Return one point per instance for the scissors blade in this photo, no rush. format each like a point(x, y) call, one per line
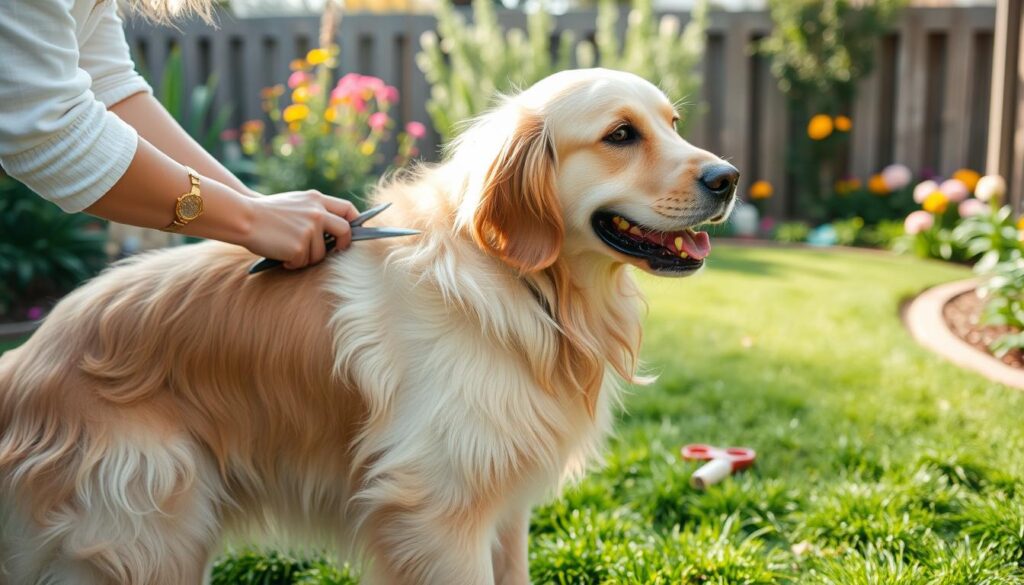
point(360, 233)
point(369, 214)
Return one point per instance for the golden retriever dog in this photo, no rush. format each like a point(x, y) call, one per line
point(406, 401)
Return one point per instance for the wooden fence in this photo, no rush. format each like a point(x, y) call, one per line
point(926, 104)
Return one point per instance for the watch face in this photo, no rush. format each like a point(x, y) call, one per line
point(190, 206)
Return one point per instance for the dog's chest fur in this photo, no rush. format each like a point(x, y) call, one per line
point(447, 380)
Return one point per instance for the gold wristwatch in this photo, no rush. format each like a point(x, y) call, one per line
point(189, 206)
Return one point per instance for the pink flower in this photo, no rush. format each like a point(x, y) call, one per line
point(350, 80)
point(969, 207)
point(923, 190)
point(378, 120)
point(358, 103)
point(416, 130)
point(918, 221)
point(896, 176)
point(954, 189)
point(387, 94)
point(299, 78)
point(374, 83)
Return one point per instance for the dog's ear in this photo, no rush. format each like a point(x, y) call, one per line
point(518, 218)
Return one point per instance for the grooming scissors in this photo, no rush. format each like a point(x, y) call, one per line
point(359, 232)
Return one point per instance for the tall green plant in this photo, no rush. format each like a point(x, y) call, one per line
point(470, 64)
point(819, 51)
point(196, 112)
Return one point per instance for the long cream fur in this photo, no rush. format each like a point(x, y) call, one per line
point(407, 401)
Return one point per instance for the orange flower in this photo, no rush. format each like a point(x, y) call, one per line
point(968, 177)
point(252, 127)
point(268, 93)
point(295, 113)
point(299, 65)
point(877, 185)
point(761, 190)
point(843, 123)
point(937, 202)
point(820, 127)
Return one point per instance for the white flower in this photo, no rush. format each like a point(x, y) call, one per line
point(990, 188)
point(923, 190)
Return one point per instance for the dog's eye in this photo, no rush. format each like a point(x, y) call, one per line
point(624, 134)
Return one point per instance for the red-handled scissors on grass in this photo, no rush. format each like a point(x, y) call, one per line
point(740, 457)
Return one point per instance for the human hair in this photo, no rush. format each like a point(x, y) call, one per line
point(166, 11)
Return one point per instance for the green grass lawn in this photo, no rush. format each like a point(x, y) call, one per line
point(878, 462)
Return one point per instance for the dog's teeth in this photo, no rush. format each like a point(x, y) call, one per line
point(679, 243)
point(683, 254)
point(622, 224)
point(635, 231)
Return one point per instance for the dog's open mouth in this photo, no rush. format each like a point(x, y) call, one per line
point(677, 251)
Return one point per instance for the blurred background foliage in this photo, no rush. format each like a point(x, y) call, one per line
point(469, 64)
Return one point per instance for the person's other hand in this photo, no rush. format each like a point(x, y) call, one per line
point(290, 226)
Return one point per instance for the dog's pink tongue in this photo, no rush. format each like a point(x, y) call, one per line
point(696, 244)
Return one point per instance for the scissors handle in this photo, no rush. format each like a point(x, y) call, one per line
point(358, 233)
point(741, 457)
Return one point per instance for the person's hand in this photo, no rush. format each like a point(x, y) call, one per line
point(290, 226)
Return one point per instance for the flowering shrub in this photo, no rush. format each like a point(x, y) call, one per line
point(330, 138)
point(952, 225)
point(819, 50)
point(883, 196)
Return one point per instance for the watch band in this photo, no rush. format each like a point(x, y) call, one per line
point(195, 200)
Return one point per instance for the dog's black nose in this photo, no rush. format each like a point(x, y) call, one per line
point(719, 179)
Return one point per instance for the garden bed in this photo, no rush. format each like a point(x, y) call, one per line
point(962, 315)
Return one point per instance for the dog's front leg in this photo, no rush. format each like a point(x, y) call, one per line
point(419, 546)
point(511, 563)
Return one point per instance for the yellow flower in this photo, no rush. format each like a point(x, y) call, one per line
point(937, 202)
point(761, 190)
point(843, 123)
point(331, 114)
point(366, 148)
point(877, 185)
point(300, 95)
point(820, 127)
point(295, 113)
point(318, 56)
point(968, 177)
point(1020, 223)
point(299, 65)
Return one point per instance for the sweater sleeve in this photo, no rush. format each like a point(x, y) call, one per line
point(107, 60)
point(55, 136)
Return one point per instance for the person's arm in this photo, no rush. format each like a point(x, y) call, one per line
point(117, 85)
point(287, 226)
point(57, 137)
point(152, 121)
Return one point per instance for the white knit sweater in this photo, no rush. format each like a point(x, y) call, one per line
point(62, 62)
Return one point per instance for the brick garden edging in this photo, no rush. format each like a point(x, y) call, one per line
point(923, 318)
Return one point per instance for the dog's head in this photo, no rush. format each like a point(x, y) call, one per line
point(589, 161)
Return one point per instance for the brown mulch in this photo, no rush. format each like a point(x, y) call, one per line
point(962, 314)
